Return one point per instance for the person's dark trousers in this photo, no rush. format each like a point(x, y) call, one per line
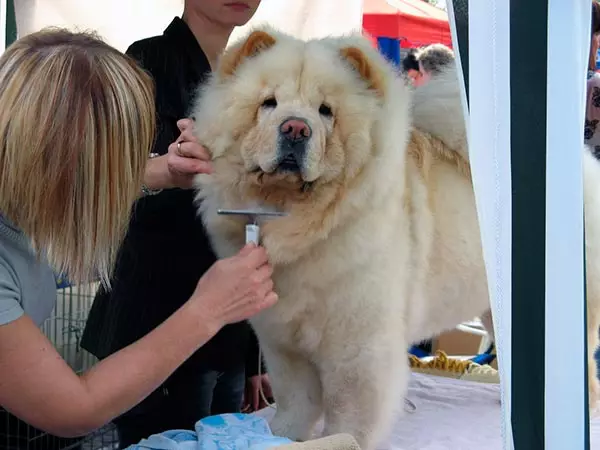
point(180, 403)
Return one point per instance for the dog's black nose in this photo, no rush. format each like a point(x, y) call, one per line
point(295, 130)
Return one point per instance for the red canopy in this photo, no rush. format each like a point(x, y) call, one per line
point(412, 22)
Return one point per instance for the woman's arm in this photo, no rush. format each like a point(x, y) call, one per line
point(39, 387)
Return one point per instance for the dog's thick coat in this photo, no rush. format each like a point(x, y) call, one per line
point(381, 246)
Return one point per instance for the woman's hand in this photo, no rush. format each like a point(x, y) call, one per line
point(232, 290)
point(236, 288)
point(185, 159)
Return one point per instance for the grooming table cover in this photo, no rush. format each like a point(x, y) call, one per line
point(448, 414)
point(452, 414)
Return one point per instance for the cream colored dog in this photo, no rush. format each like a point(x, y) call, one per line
point(381, 246)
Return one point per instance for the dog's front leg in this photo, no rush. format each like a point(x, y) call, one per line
point(297, 391)
point(362, 395)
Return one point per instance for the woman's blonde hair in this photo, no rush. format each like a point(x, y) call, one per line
point(77, 121)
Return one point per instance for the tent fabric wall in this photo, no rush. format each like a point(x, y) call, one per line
point(528, 152)
point(525, 150)
point(412, 22)
point(566, 411)
point(3, 5)
point(458, 11)
point(390, 48)
point(482, 24)
point(11, 23)
point(307, 19)
point(118, 22)
point(121, 23)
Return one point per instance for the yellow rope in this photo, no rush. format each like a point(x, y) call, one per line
point(441, 362)
point(442, 365)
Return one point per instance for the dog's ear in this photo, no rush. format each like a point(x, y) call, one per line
point(364, 67)
point(257, 42)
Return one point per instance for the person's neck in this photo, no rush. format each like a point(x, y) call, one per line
point(211, 36)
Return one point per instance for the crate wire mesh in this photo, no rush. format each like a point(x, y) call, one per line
point(64, 329)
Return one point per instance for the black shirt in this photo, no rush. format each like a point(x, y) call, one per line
point(166, 250)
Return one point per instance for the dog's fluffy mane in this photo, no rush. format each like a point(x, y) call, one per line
point(431, 139)
point(387, 161)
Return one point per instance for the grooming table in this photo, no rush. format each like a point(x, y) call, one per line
point(451, 414)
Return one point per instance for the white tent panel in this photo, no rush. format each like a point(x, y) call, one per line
point(565, 402)
point(489, 153)
point(308, 18)
point(119, 22)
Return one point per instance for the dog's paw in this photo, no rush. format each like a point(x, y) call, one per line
point(281, 426)
point(284, 425)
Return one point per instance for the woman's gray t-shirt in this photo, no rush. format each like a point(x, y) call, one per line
point(27, 285)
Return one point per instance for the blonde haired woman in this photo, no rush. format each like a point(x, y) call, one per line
point(76, 126)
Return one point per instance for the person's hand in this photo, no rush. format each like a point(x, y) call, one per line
point(236, 288)
point(185, 159)
point(253, 400)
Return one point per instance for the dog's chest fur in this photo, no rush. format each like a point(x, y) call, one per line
point(344, 285)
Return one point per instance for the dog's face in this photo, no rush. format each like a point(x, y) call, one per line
point(288, 118)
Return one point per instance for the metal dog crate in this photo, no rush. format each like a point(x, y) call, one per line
point(64, 329)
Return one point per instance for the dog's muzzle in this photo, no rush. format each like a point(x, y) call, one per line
point(294, 135)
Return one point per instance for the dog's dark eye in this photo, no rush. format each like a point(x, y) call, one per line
point(270, 102)
point(325, 110)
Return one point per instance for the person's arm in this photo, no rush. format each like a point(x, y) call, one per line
point(37, 386)
point(156, 173)
point(40, 388)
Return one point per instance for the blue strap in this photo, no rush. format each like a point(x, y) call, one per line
point(418, 352)
point(62, 282)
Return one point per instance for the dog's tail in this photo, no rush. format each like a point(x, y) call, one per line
point(437, 110)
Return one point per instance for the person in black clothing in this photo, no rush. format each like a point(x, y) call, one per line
point(166, 249)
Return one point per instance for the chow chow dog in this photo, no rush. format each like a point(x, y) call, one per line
point(380, 247)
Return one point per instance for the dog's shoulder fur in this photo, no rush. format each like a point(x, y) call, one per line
point(426, 149)
point(437, 109)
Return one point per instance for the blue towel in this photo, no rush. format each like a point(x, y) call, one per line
point(169, 440)
point(223, 432)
